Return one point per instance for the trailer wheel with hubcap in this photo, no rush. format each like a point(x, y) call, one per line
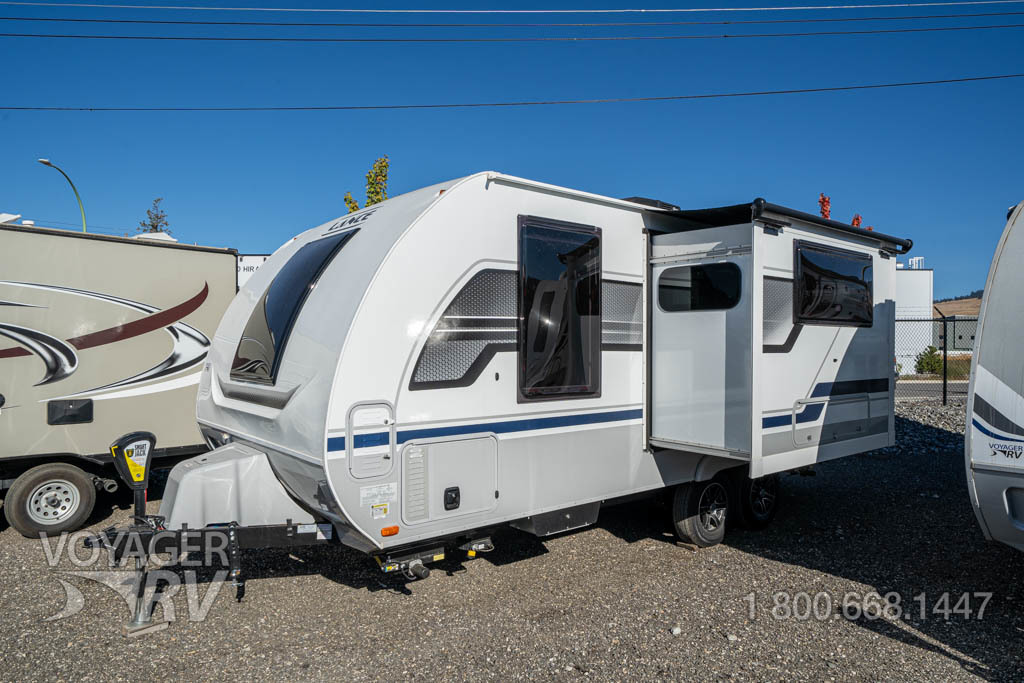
point(758, 500)
point(699, 512)
point(50, 498)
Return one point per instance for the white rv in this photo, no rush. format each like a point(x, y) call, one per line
point(995, 401)
point(493, 350)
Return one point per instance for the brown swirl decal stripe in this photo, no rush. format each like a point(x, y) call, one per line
point(135, 328)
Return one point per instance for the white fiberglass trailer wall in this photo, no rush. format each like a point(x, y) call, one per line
point(995, 403)
point(475, 353)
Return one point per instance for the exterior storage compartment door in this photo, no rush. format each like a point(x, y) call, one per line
point(701, 353)
point(449, 478)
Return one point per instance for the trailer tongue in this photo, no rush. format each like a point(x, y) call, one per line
point(150, 535)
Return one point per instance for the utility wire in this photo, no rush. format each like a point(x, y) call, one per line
point(532, 39)
point(535, 103)
point(961, 3)
point(597, 24)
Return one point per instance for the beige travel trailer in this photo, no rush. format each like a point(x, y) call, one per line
point(98, 335)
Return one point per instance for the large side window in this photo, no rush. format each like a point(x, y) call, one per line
point(832, 287)
point(261, 347)
point(706, 287)
point(559, 309)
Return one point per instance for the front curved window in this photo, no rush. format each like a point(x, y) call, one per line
point(259, 352)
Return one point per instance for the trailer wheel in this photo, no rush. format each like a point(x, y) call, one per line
point(699, 512)
point(50, 498)
point(759, 501)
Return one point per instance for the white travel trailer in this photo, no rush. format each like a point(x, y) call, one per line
point(995, 401)
point(493, 350)
point(98, 335)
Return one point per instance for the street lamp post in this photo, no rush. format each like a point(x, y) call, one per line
point(46, 162)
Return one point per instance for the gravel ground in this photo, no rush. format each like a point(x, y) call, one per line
point(619, 600)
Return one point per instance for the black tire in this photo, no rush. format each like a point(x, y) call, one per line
point(700, 510)
point(758, 500)
point(50, 498)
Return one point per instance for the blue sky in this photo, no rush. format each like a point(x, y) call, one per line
point(937, 164)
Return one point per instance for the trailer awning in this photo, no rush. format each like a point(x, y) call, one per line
point(697, 219)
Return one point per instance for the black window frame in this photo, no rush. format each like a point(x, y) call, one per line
point(798, 317)
point(729, 264)
point(523, 223)
point(343, 237)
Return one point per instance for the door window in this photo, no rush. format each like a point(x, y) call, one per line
point(706, 287)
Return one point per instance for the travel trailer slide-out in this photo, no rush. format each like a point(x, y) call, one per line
point(995, 400)
point(98, 335)
point(495, 351)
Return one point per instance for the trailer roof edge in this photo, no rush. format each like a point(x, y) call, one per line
point(759, 207)
point(119, 240)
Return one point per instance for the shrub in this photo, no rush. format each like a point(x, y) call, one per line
point(928, 362)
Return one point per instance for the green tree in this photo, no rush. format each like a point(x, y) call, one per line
point(928, 362)
point(376, 185)
point(156, 219)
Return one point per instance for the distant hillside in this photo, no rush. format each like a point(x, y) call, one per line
point(976, 294)
point(967, 306)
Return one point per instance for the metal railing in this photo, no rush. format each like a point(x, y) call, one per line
point(933, 357)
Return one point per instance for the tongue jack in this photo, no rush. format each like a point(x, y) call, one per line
point(133, 454)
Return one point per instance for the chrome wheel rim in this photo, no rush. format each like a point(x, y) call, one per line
point(712, 506)
point(53, 502)
point(763, 493)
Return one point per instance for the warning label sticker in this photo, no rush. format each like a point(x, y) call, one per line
point(381, 493)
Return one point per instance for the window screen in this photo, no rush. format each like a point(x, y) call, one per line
point(259, 352)
point(559, 341)
point(707, 287)
point(832, 287)
point(621, 312)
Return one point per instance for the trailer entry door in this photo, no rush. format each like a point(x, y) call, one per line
point(701, 352)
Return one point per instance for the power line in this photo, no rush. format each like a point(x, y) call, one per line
point(528, 39)
point(599, 24)
point(336, 10)
point(535, 103)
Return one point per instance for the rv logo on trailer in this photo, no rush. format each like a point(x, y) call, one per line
point(349, 221)
point(1008, 450)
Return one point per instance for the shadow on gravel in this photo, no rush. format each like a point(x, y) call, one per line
point(354, 569)
point(900, 521)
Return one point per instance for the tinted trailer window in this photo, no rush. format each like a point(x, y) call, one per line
point(559, 339)
point(709, 287)
point(259, 351)
point(832, 287)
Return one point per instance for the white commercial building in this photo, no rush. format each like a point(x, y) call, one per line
point(914, 297)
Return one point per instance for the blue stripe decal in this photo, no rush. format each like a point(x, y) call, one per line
point(988, 432)
point(810, 413)
point(337, 443)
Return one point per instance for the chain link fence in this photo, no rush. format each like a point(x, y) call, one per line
point(933, 357)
